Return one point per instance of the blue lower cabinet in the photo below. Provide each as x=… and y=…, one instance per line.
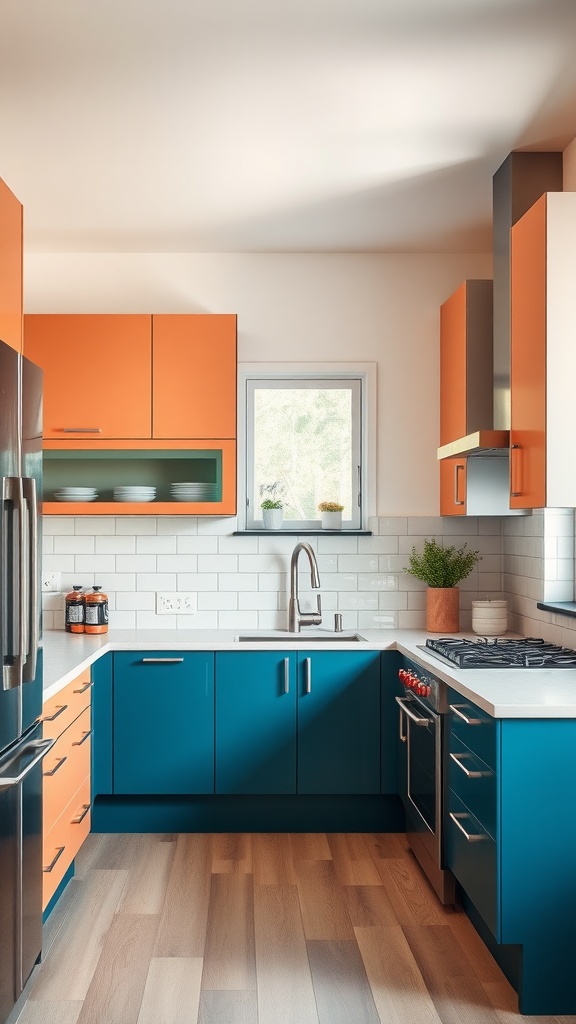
x=256, y=722
x=163, y=723
x=472, y=856
x=339, y=722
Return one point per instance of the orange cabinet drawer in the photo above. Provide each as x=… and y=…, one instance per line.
x=64, y=768
x=62, y=842
x=60, y=710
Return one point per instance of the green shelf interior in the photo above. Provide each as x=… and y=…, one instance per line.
x=107, y=469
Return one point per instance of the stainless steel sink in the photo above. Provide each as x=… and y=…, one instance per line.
x=298, y=638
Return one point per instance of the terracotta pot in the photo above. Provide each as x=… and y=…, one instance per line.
x=442, y=610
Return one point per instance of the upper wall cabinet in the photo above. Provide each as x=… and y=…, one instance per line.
x=10, y=268
x=194, y=376
x=134, y=377
x=465, y=382
x=543, y=355
x=97, y=373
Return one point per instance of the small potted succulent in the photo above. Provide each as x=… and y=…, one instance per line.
x=331, y=515
x=272, y=513
x=442, y=568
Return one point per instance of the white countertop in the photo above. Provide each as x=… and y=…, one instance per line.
x=512, y=693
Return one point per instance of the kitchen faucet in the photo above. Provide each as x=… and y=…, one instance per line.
x=296, y=618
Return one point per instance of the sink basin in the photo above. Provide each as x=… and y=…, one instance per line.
x=282, y=638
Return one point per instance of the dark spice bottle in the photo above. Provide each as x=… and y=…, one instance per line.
x=75, y=611
x=96, y=612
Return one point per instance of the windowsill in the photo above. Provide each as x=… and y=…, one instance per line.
x=560, y=607
x=303, y=533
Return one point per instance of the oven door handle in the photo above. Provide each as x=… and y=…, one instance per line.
x=402, y=702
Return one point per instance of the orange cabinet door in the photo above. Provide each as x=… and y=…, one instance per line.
x=97, y=373
x=194, y=374
x=453, y=487
x=10, y=268
x=453, y=367
x=528, y=360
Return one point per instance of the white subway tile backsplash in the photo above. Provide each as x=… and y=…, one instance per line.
x=95, y=526
x=378, y=620
x=393, y=526
x=122, y=619
x=201, y=620
x=177, y=526
x=94, y=563
x=263, y=563
x=261, y=600
x=155, y=544
x=238, y=581
x=191, y=544
x=275, y=545
x=226, y=600
x=113, y=545
x=184, y=563
x=149, y=620
x=276, y=581
x=136, y=563
x=333, y=544
x=378, y=545
x=58, y=563
x=135, y=601
x=136, y=526
x=230, y=545
x=156, y=581
x=196, y=581
x=353, y=601
x=358, y=563
x=74, y=545
x=217, y=563
x=217, y=525
x=238, y=620
x=56, y=526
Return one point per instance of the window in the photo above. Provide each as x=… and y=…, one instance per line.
x=305, y=443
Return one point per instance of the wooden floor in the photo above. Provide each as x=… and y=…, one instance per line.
x=261, y=929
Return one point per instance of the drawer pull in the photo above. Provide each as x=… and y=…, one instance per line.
x=471, y=837
x=469, y=721
x=286, y=675
x=80, y=817
x=85, y=736
x=84, y=688
x=50, y=718
x=457, y=758
x=53, y=863
x=162, y=661
x=307, y=675
x=56, y=767
x=81, y=430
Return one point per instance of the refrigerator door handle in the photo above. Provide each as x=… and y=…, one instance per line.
x=12, y=598
x=40, y=747
x=29, y=571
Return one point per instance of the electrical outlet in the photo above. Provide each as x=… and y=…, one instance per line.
x=182, y=603
x=51, y=582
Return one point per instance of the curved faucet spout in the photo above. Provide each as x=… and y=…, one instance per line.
x=296, y=618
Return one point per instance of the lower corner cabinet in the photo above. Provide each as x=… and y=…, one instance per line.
x=510, y=841
x=298, y=722
x=163, y=723
x=66, y=798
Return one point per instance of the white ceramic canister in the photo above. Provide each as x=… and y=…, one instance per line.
x=489, y=618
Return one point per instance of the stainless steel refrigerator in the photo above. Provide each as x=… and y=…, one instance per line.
x=21, y=745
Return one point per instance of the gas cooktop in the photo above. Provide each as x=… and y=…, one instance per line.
x=528, y=652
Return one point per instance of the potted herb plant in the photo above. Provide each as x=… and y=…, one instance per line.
x=331, y=515
x=272, y=514
x=442, y=568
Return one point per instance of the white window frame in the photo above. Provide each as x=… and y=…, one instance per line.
x=365, y=373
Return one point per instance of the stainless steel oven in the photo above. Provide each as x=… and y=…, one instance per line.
x=422, y=725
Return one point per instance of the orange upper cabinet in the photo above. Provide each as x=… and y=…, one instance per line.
x=465, y=382
x=194, y=374
x=97, y=373
x=10, y=268
x=543, y=355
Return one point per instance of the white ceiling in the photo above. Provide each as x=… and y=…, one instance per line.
x=255, y=125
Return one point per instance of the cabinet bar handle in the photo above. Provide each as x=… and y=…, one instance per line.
x=469, y=721
x=471, y=837
x=56, y=767
x=81, y=430
x=414, y=718
x=308, y=675
x=84, y=688
x=86, y=735
x=50, y=718
x=80, y=817
x=52, y=864
x=286, y=675
x=470, y=775
x=161, y=661
x=457, y=500
x=514, y=463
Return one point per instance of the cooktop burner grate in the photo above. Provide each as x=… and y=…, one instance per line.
x=528, y=652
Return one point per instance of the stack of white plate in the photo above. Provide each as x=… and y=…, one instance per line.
x=134, y=492
x=194, y=491
x=76, y=494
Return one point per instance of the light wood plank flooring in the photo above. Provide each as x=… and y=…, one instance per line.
x=261, y=929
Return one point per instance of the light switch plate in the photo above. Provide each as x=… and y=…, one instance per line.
x=182, y=603
x=51, y=582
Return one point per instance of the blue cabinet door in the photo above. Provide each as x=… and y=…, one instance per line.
x=163, y=722
x=256, y=722
x=339, y=722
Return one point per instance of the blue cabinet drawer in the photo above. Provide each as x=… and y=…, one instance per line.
x=474, y=727
x=471, y=855
x=474, y=782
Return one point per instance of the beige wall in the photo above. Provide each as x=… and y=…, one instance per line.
x=381, y=308
x=570, y=167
